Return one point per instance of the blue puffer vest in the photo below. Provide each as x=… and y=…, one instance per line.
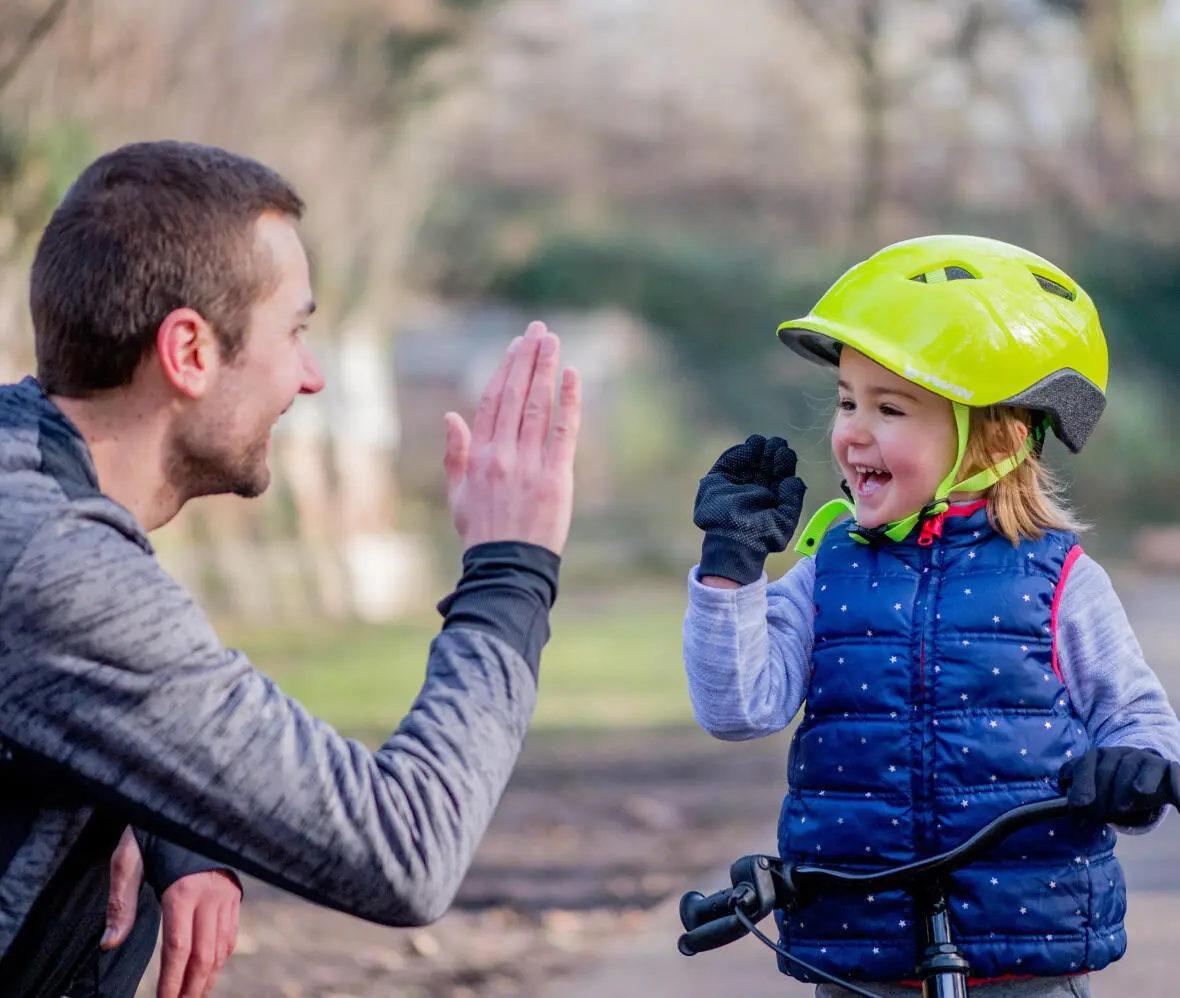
x=936, y=704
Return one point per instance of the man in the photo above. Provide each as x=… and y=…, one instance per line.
x=169, y=295
x=200, y=914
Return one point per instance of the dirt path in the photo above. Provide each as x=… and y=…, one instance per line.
x=646, y=965
x=573, y=893
x=593, y=834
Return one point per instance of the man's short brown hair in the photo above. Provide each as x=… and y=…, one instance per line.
x=146, y=229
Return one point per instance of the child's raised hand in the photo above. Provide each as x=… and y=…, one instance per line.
x=748, y=505
x=1124, y=785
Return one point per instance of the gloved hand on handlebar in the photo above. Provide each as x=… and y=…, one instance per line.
x=1123, y=785
x=748, y=505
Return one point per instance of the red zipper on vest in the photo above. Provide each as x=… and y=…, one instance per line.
x=924, y=834
x=931, y=528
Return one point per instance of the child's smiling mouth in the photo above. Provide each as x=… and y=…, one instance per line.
x=870, y=479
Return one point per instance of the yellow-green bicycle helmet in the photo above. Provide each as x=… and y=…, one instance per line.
x=975, y=320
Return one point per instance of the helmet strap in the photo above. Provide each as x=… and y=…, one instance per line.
x=899, y=530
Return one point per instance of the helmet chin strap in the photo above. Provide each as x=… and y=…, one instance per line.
x=899, y=530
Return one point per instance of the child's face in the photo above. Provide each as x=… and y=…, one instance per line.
x=895, y=442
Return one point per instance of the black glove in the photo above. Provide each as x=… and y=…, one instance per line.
x=1123, y=785
x=748, y=505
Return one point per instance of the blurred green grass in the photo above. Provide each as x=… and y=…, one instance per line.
x=612, y=662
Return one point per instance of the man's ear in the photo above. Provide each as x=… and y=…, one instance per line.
x=188, y=351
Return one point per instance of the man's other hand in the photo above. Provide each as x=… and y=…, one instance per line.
x=199, y=922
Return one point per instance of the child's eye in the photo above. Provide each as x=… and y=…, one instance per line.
x=846, y=405
x=890, y=410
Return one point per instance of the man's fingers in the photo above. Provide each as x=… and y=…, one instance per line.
x=229, y=932
x=177, y=944
x=516, y=387
x=563, y=441
x=200, y=929
x=458, y=449
x=204, y=957
x=121, y=907
x=538, y=407
x=123, y=898
x=484, y=424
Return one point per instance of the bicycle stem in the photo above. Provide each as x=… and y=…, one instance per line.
x=944, y=969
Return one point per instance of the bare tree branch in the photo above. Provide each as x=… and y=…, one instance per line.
x=41, y=27
x=874, y=103
x=858, y=40
x=961, y=46
x=822, y=23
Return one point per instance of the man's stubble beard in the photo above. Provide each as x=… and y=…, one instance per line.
x=201, y=465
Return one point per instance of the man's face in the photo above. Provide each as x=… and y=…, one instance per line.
x=225, y=443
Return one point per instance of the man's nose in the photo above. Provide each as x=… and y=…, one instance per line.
x=313, y=377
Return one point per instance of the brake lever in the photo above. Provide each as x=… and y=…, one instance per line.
x=758, y=888
x=761, y=884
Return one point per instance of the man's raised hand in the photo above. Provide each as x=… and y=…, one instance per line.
x=510, y=476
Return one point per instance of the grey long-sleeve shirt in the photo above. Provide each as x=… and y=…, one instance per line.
x=115, y=688
x=747, y=652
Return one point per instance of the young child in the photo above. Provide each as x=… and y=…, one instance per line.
x=957, y=651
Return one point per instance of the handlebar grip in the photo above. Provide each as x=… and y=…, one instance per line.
x=711, y=935
x=697, y=910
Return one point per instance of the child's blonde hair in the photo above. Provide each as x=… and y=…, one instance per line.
x=1028, y=500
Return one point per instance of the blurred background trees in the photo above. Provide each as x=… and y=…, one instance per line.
x=663, y=180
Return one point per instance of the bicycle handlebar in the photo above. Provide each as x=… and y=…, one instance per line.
x=713, y=921
x=760, y=884
x=810, y=880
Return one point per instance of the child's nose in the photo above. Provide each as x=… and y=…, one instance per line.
x=855, y=429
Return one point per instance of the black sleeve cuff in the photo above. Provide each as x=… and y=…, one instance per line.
x=730, y=559
x=507, y=589
x=165, y=863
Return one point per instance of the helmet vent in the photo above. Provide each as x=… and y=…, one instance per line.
x=1054, y=288
x=951, y=273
